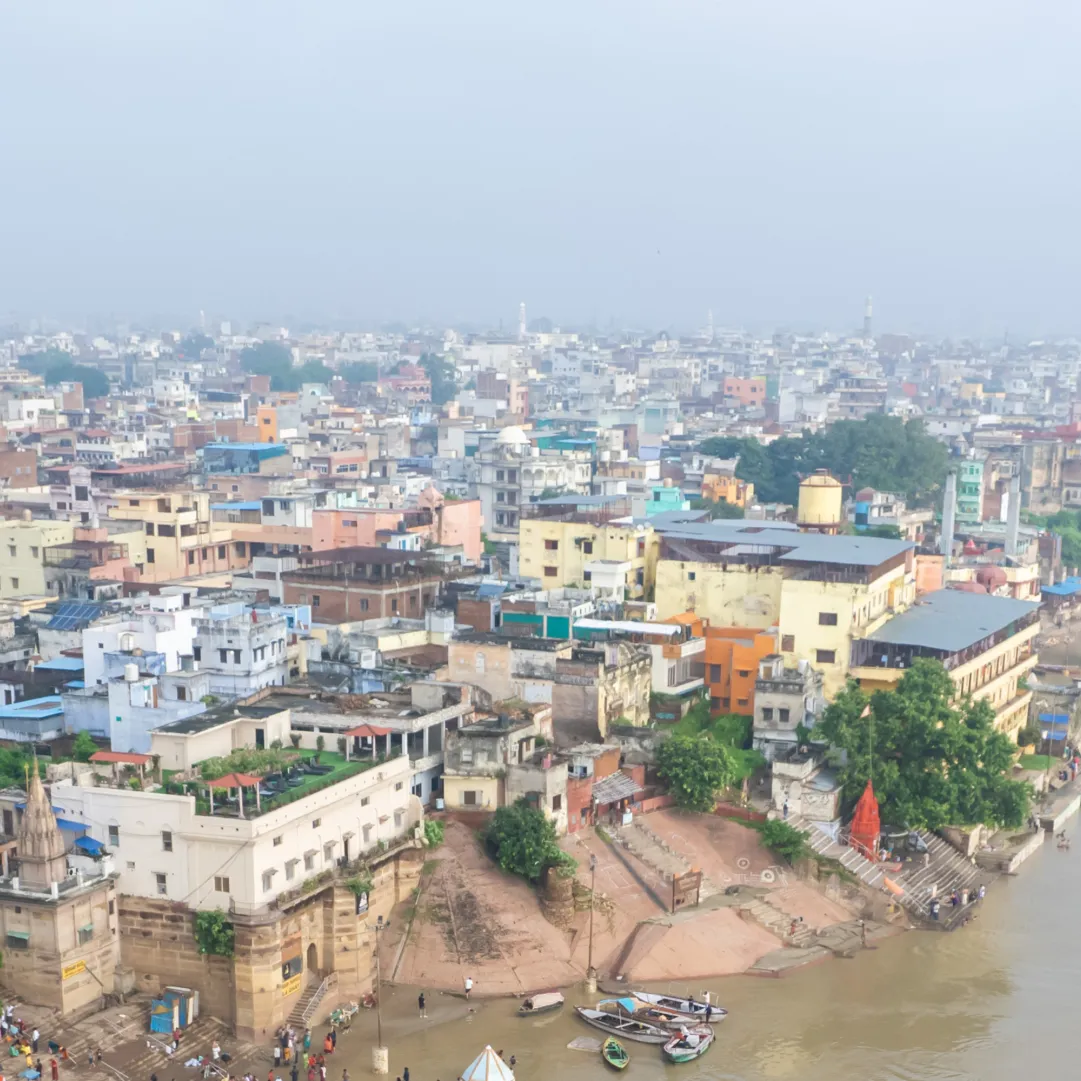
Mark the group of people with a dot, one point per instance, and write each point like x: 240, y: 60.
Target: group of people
x: 958, y: 899
x: 295, y: 1051
x: 23, y: 1041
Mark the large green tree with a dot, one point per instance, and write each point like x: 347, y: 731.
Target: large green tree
x: 275, y: 360
x: 55, y: 366
x: 443, y: 376
x: 695, y: 768
x: 362, y: 371
x: 523, y: 840
x: 886, y: 453
x: 934, y: 760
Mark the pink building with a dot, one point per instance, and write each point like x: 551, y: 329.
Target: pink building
x: 433, y: 521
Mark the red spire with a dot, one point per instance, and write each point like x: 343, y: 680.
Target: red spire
x: 866, y: 825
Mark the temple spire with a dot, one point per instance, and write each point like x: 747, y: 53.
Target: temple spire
x: 41, y: 845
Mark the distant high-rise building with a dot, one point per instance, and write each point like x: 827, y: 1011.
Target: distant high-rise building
x: 521, y: 321
x: 867, y: 319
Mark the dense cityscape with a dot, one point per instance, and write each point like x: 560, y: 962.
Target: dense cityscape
x: 344, y: 666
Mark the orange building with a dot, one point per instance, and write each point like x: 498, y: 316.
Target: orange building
x: 750, y: 391
x: 266, y: 421
x: 732, y: 656
x: 726, y: 488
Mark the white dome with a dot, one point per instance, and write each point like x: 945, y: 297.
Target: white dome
x: 512, y: 436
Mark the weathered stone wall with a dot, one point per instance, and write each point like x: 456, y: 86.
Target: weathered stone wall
x: 317, y: 935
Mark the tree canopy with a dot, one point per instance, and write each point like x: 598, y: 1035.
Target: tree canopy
x: 886, y: 453
x: 523, y: 840
x: 1067, y: 524
x: 191, y: 346
x: 695, y: 768
x: 275, y: 360
x: 443, y: 375
x: 363, y: 371
x: 934, y: 761
x: 718, y: 509
x: 56, y: 366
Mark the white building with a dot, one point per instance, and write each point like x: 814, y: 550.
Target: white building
x: 169, y: 846
x: 241, y: 648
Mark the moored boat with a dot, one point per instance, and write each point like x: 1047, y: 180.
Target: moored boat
x: 689, y: 1044
x: 624, y: 1026
x: 652, y: 1015
x: 614, y: 1053
x: 545, y: 1002
x: 691, y: 1009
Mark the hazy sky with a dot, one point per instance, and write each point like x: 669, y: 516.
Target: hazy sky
x: 599, y: 159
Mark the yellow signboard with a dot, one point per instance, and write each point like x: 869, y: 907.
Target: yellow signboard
x: 72, y: 970
x: 291, y: 985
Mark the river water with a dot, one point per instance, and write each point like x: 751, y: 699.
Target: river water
x: 991, y: 1002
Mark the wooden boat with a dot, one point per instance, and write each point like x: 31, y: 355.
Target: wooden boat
x: 651, y: 1015
x: 614, y: 1053
x: 682, y: 1049
x: 545, y: 1002
x: 621, y: 1025
x: 690, y: 1009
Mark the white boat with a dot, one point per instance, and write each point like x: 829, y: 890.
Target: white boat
x: 542, y: 1003
x: 690, y: 1009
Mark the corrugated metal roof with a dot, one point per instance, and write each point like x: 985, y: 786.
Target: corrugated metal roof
x: 951, y: 619
x: 614, y: 787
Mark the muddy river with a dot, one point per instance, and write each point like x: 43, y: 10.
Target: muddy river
x: 992, y: 1002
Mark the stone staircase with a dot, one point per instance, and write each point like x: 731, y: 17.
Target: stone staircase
x: 945, y: 871
x: 308, y: 1003
x: 778, y: 923
x: 656, y: 853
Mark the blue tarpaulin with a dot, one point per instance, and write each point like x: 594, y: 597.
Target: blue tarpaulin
x: 1055, y: 725
x: 89, y: 845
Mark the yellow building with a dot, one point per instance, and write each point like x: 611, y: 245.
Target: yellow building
x: 821, y: 592
x: 985, y: 642
x: 727, y: 488
x: 22, y: 547
x: 181, y: 538
x: 558, y: 551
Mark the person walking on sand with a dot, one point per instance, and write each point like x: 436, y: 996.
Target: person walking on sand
x: 34, y: 1037
x: 468, y: 986
x: 420, y: 1005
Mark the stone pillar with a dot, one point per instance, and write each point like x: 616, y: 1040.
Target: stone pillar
x: 380, y: 1060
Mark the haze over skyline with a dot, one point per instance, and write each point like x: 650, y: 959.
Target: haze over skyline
x: 644, y: 163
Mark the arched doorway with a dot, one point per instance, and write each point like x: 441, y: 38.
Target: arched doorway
x: 313, y: 961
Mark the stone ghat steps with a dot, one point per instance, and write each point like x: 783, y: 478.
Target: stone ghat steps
x: 778, y: 923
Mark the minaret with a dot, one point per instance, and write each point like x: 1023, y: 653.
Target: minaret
x: 521, y: 321
x: 709, y: 325
x: 949, y: 513
x: 867, y: 319
x: 41, y: 846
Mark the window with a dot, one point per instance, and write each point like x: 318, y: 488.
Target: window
x: 33, y: 551
x: 283, y: 504
x: 221, y: 884
x: 782, y: 715
x: 500, y: 474
x: 394, y: 604
x: 316, y: 823
x: 788, y: 643
x: 14, y: 583
x: 364, y: 604
x: 166, y: 841
x: 114, y: 835
x: 315, y: 600
x: 741, y: 701
x: 18, y: 940
x: 112, y: 908
x: 365, y: 800
x: 328, y: 851
x: 223, y: 656
x: 827, y: 619
x: 268, y: 880
x: 767, y: 713
x: 714, y: 673
x: 551, y: 572
x: 159, y: 882
x: 309, y: 861
x: 197, y: 653
x: 398, y: 786
x: 587, y: 547
x: 469, y: 799
x: 290, y: 869
x: 239, y: 548
x: 551, y: 545
x: 221, y: 551
x: 557, y: 803
x: 236, y: 656
x: 150, y: 555
x: 277, y: 840
x: 691, y: 576
x: 501, y: 497
x: 825, y: 656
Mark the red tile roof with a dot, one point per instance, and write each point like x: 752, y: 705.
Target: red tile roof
x: 127, y: 757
